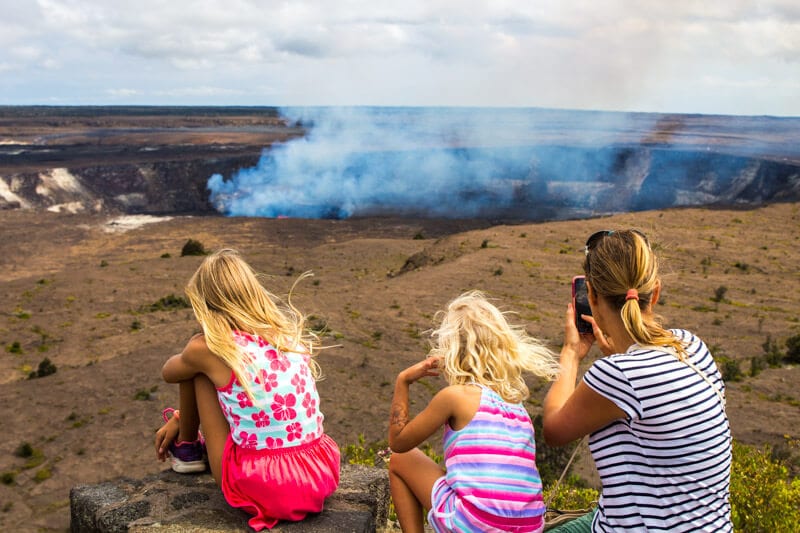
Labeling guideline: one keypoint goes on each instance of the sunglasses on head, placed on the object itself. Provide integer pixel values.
(597, 236)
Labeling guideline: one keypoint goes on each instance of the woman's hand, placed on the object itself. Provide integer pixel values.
(420, 370)
(575, 342)
(606, 344)
(164, 437)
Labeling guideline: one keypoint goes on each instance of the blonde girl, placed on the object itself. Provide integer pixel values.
(249, 380)
(491, 482)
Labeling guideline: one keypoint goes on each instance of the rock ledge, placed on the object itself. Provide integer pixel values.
(170, 502)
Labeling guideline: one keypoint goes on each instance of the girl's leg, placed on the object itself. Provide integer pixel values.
(215, 426)
(189, 421)
(411, 478)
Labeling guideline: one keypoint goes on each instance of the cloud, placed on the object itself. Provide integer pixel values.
(569, 53)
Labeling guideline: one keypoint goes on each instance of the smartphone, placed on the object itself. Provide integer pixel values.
(580, 301)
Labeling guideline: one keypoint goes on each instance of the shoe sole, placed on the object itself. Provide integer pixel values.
(183, 467)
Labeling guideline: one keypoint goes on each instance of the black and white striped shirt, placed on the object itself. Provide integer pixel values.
(667, 466)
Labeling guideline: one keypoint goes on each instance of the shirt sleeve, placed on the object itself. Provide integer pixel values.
(607, 379)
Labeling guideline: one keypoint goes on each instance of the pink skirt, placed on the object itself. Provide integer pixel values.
(284, 484)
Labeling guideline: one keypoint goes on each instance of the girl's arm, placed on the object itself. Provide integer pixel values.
(571, 412)
(183, 366)
(195, 359)
(405, 434)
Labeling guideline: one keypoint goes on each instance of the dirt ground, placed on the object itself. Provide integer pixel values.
(78, 290)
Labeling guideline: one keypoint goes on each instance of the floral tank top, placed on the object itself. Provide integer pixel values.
(285, 409)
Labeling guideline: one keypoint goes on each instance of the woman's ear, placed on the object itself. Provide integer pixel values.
(592, 295)
(656, 293)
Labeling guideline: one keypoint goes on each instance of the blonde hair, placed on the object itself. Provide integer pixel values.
(477, 345)
(624, 260)
(227, 295)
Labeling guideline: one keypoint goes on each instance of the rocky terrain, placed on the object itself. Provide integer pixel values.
(94, 293)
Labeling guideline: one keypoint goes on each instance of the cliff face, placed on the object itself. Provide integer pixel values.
(158, 187)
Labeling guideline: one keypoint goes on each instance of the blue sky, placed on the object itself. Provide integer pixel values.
(718, 56)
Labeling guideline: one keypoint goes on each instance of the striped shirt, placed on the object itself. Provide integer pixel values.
(667, 466)
(492, 483)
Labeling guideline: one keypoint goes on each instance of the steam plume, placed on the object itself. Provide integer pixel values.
(532, 164)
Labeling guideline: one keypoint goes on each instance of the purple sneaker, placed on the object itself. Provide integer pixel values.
(188, 457)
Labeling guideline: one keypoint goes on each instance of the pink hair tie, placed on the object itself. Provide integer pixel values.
(632, 294)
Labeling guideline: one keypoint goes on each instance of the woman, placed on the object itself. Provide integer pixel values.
(653, 406)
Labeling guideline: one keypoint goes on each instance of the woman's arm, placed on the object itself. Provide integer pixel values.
(571, 412)
(405, 434)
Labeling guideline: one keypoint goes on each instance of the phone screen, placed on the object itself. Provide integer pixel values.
(580, 300)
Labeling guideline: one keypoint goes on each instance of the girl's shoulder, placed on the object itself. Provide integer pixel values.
(457, 395)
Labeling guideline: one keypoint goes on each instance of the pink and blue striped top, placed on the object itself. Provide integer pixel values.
(492, 483)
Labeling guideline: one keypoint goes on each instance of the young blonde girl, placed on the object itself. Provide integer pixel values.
(491, 482)
(249, 380)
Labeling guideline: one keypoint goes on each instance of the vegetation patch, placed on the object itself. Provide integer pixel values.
(168, 303)
(193, 247)
(46, 368)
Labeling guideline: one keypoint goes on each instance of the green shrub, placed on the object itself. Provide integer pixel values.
(793, 349)
(360, 454)
(729, 368)
(757, 364)
(24, 450)
(46, 368)
(193, 247)
(571, 494)
(772, 354)
(169, 302)
(762, 496)
(719, 294)
(42, 474)
(14, 347)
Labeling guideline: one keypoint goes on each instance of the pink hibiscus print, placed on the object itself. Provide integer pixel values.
(273, 443)
(268, 380)
(236, 418)
(283, 407)
(310, 404)
(278, 361)
(299, 384)
(294, 431)
(249, 440)
(244, 400)
(261, 419)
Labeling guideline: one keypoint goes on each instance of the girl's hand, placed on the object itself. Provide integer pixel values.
(164, 437)
(420, 370)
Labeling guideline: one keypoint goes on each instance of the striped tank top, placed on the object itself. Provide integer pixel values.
(492, 483)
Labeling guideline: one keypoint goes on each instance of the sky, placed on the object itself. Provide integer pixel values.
(713, 57)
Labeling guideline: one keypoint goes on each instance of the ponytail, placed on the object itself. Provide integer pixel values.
(623, 269)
